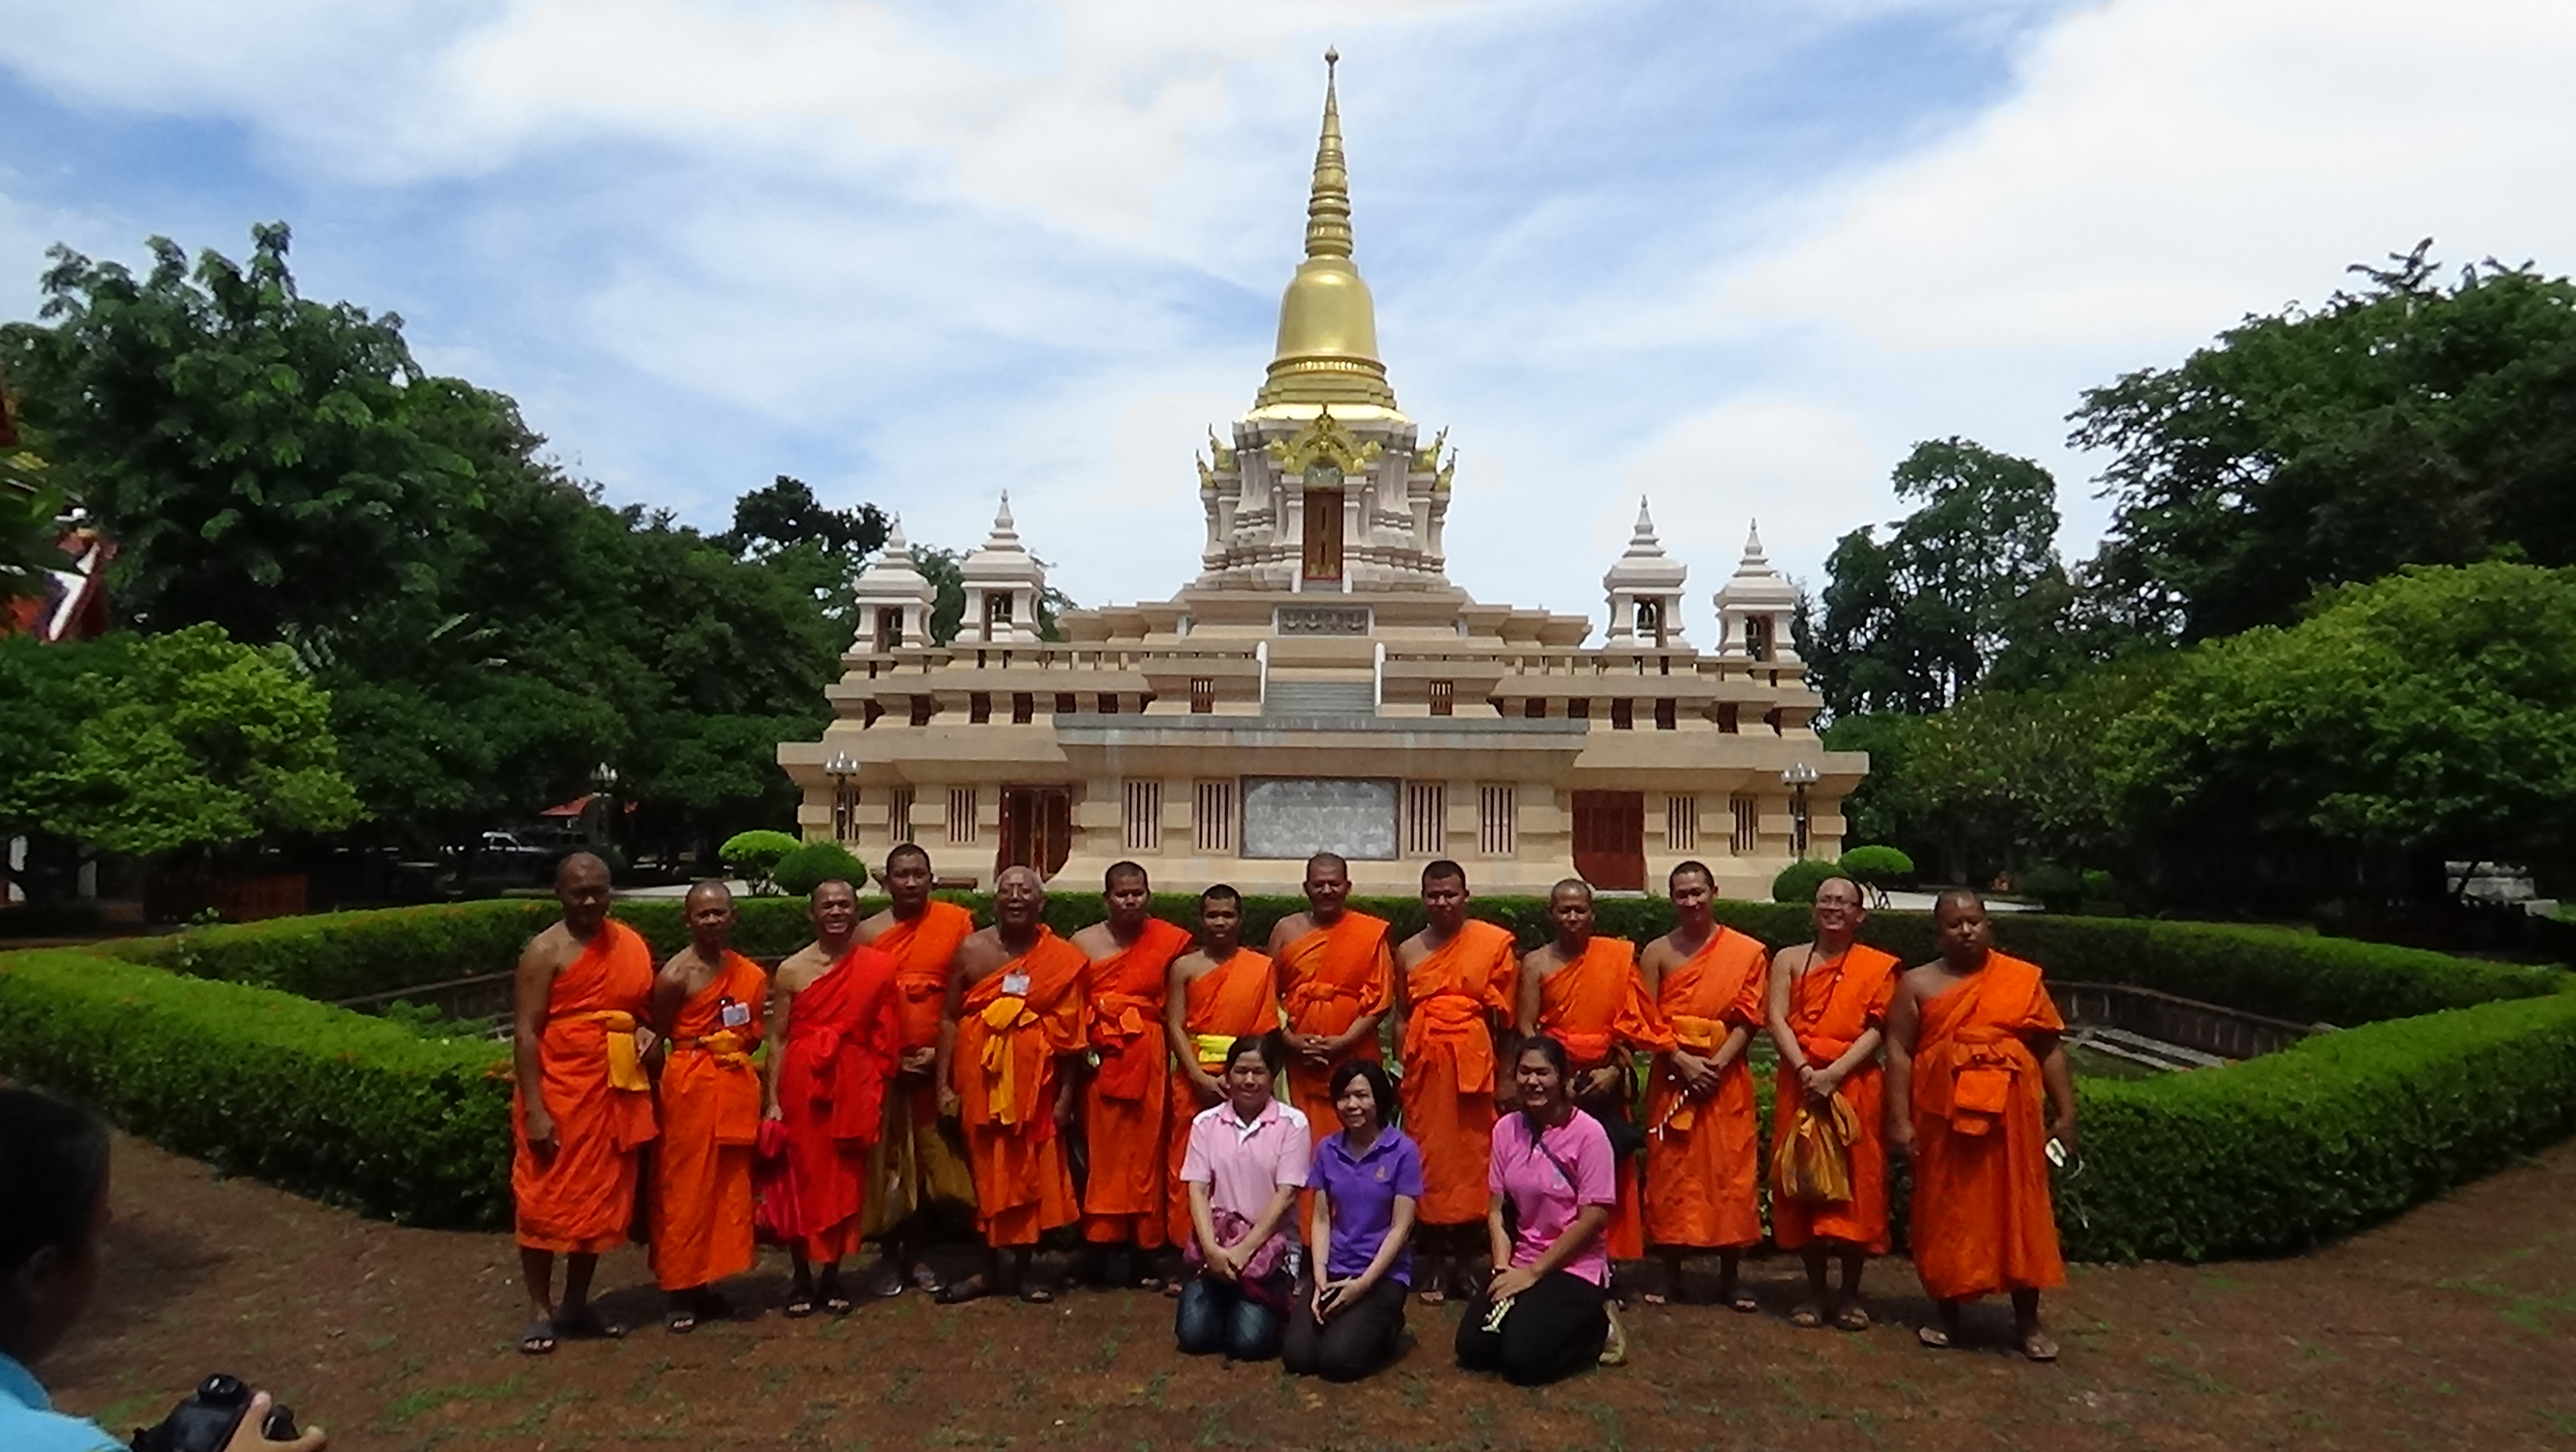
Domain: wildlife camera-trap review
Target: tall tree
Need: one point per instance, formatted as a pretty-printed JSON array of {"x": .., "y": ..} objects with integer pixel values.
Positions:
[
  {"x": 2403, "y": 423},
  {"x": 1960, "y": 585}
]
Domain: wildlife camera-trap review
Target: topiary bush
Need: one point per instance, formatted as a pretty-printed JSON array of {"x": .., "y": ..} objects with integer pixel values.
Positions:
[
  {"x": 1797, "y": 882},
  {"x": 815, "y": 863},
  {"x": 1878, "y": 867},
  {"x": 754, "y": 856}
]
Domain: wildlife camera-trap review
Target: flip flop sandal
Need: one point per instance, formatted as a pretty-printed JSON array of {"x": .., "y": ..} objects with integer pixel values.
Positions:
[
  {"x": 885, "y": 1283},
  {"x": 1852, "y": 1318},
  {"x": 1434, "y": 1296},
  {"x": 2037, "y": 1347},
  {"x": 588, "y": 1326},
  {"x": 1933, "y": 1336},
  {"x": 538, "y": 1339},
  {"x": 798, "y": 1307},
  {"x": 1037, "y": 1296},
  {"x": 927, "y": 1281},
  {"x": 970, "y": 1289},
  {"x": 1807, "y": 1318},
  {"x": 680, "y": 1323},
  {"x": 836, "y": 1304},
  {"x": 1744, "y": 1305}
]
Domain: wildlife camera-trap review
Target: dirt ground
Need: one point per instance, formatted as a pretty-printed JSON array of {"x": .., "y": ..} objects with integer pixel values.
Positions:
[{"x": 2450, "y": 1328}]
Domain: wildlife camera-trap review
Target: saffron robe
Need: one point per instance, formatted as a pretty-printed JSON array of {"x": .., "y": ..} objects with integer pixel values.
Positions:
[
  {"x": 1451, "y": 998},
  {"x": 915, "y": 1164},
  {"x": 1592, "y": 1005},
  {"x": 1329, "y": 979},
  {"x": 1006, "y": 1068},
  {"x": 1830, "y": 1006},
  {"x": 837, "y": 1058},
  {"x": 581, "y": 1201},
  {"x": 1236, "y": 998},
  {"x": 710, "y": 1100},
  {"x": 1125, "y": 1104},
  {"x": 1983, "y": 1220},
  {"x": 1704, "y": 1157}
]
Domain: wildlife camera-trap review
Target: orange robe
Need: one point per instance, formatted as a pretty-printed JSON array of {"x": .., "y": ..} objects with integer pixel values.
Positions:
[
  {"x": 1983, "y": 1220},
  {"x": 1123, "y": 1105},
  {"x": 915, "y": 1165},
  {"x": 1592, "y": 1005},
  {"x": 1830, "y": 1006},
  {"x": 582, "y": 1200},
  {"x": 1006, "y": 1067},
  {"x": 1330, "y": 979},
  {"x": 1451, "y": 998},
  {"x": 1236, "y": 998},
  {"x": 1706, "y": 1156},
  {"x": 710, "y": 1099},
  {"x": 844, "y": 1037}
]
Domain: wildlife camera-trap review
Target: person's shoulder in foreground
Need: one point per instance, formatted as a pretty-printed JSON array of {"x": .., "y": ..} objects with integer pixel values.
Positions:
[{"x": 29, "y": 1423}]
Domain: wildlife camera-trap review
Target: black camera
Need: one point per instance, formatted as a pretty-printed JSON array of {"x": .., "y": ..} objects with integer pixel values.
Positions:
[{"x": 206, "y": 1421}]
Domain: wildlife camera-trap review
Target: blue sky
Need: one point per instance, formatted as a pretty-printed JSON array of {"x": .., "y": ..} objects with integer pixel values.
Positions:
[{"x": 1735, "y": 256}]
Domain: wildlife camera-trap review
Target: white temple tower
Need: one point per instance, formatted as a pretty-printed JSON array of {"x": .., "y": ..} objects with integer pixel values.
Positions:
[{"x": 1645, "y": 588}]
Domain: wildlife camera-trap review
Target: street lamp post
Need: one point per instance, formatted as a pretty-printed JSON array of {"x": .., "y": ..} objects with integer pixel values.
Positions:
[
  {"x": 842, "y": 767},
  {"x": 1797, "y": 779},
  {"x": 603, "y": 781}
]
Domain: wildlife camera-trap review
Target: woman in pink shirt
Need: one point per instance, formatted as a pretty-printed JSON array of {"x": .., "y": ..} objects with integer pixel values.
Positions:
[
  {"x": 1545, "y": 1314},
  {"x": 1246, "y": 1160}
]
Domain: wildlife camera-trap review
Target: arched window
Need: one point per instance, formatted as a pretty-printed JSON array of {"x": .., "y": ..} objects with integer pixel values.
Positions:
[{"x": 1757, "y": 636}]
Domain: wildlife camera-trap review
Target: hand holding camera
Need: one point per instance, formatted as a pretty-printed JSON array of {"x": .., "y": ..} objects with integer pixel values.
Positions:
[{"x": 224, "y": 1415}]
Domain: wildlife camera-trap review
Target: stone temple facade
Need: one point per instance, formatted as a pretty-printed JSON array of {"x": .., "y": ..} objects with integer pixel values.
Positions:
[{"x": 1322, "y": 685}]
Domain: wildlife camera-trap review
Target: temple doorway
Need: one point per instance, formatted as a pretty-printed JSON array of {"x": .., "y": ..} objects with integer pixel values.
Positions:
[
  {"x": 1610, "y": 840},
  {"x": 1323, "y": 559},
  {"x": 1037, "y": 829}
]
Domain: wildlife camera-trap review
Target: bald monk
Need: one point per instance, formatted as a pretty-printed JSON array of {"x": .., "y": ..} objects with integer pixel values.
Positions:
[
  {"x": 707, "y": 1006},
  {"x": 1972, "y": 1049},
  {"x": 1336, "y": 980},
  {"x": 582, "y": 1107},
  {"x": 1828, "y": 1016},
  {"x": 1126, "y": 1099},
  {"x": 1014, "y": 1016},
  {"x": 835, "y": 1039},
  {"x": 1455, "y": 985},
  {"x": 918, "y": 1173},
  {"x": 1219, "y": 992},
  {"x": 1709, "y": 983},
  {"x": 1585, "y": 993}
]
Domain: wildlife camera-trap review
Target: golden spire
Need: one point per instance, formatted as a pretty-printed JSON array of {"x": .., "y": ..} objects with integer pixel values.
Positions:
[{"x": 1327, "y": 320}]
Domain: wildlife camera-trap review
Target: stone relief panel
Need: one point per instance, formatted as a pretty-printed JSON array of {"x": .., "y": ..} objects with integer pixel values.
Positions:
[{"x": 1295, "y": 817}]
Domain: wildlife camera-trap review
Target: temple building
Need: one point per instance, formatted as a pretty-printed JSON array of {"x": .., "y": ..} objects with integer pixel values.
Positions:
[{"x": 1322, "y": 685}]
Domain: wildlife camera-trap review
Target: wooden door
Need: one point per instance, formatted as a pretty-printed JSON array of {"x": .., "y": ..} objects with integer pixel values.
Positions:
[
  {"x": 1610, "y": 839},
  {"x": 1036, "y": 829},
  {"x": 1323, "y": 534}
]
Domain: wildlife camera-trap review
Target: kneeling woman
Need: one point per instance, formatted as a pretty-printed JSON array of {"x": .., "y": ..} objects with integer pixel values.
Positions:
[
  {"x": 1545, "y": 1313},
  {"x": 1367, "y": 1180},
  {"x": 1245, "y": 1163}
]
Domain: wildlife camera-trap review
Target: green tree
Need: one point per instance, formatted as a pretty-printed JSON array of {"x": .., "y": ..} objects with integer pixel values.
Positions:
[
  {"x": 2404, "y": 423},
  {"x": 1967, "y": 585},
  {"x": 148, "y": 744},
  {"x": 2427, "y": 716}
]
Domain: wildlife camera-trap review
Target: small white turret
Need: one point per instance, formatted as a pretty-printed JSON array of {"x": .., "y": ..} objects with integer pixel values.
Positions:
[
  {"x": 1754, "y": 608},
  {"x": 1003, "y": 582},
  {"x": 894, "y": 599},
  {"x": 1645, "y": 589}
]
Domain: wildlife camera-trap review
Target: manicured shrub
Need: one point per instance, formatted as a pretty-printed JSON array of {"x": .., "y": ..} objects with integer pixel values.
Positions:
[
  {"x": 754, "y": 856},
  {"x": 359, "y": 1111},
  {"x": 1798, "y": 881},
  {"x": 1880, "y": 867},
  {"x": 810, "y": 866}
]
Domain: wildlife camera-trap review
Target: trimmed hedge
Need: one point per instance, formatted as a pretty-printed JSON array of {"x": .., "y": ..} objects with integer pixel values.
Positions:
[
  {"x": 345, "y": 1108},
  {"x": 2342, "y": 1131}
]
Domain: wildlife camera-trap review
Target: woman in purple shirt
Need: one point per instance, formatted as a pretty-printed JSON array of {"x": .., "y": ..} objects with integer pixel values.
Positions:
[
  {"x": 1366, "y": 1181},
  {"x": 1545, "y": 1313}
]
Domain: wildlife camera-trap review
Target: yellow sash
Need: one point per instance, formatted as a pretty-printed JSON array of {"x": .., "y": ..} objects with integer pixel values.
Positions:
[
  {"x": 625, "y": 1064},
  {"x": 1211, "y": 1050},
  {"x": 1003, "y": 1017}
]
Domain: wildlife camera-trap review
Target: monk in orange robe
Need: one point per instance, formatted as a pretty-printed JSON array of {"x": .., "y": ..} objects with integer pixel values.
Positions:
[
  {"x": 835, "y": 1037},
  {"x": 1126, "y": 1100},
  {"x": 1455, "y": 986},
  {"x": 1220, "y": 992},
  {"x": 1336, "y": 980},
  {"x": 1585, "y": 993},
  {"x": 1973, "y": 1047},
  {"x": 1709, "y": 984},
  {"x": 1827, "y": 1017},
  {"x": 918, "y": 1173},
  {"x": 582, "y": 1107},
  {"x": 1015, "y": 1013},
  {"x": 707, "y": 1005}
]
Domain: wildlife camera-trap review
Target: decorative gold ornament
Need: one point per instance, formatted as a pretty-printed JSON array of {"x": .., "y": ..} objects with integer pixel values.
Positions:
[
  {"x": 1323, "y": 441},
  {"x": 1428, "y": 457}
]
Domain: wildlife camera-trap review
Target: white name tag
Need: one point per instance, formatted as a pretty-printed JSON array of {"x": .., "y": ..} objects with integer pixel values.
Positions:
[
  {"x": 734, "y": 1015},
  {"x": 1016, "y": 985}
]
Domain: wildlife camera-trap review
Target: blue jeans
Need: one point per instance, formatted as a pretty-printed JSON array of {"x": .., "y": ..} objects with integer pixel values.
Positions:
[{"x": 1216, "y": 1315}]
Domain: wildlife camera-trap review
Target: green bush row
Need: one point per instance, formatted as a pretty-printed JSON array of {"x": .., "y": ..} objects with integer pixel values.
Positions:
[
  {"x": 2292, "y": 1149},
  {"x": 2280, "y": 973},
  {"x": 349, "y": 1109}
]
